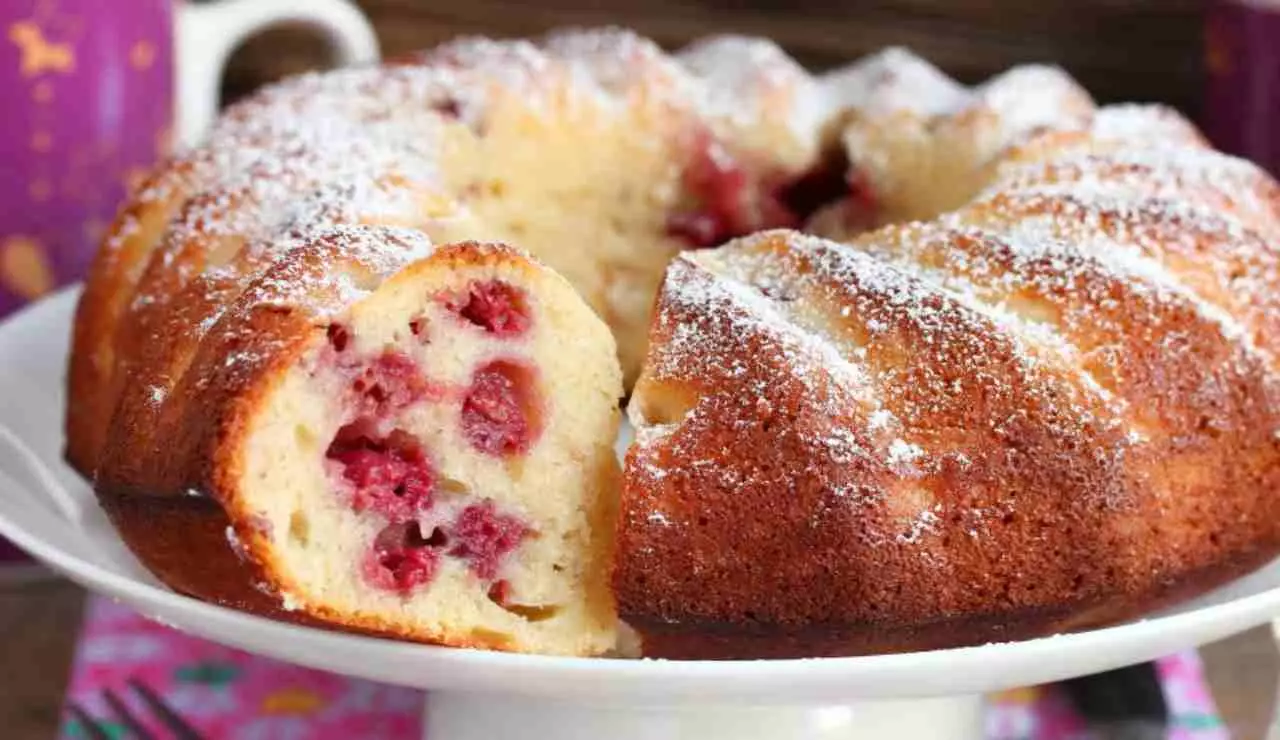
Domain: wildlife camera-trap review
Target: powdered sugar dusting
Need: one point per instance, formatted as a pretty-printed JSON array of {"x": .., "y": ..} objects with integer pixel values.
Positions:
[
  {"x": 903, "y": 453},
  {"x": 1035, "y": 96},
  {"x": 749, "y": 80},
  {"x": 1146, "y": 125},
  {"x": 1187, "y": 174},
  {"x": 891, "y": 81},
  {"x": 368, "y": 255}
]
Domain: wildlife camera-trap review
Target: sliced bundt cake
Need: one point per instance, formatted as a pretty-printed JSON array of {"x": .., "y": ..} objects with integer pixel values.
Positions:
[{"x": 389, "y": 437}]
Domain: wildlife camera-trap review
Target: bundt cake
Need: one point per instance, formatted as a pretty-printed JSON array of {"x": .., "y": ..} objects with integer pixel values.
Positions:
[{"x": 1019, "y": 379}]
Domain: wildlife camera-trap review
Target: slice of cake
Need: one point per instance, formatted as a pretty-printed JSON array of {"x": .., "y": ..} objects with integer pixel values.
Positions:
[{"x": 394, "y": 438}]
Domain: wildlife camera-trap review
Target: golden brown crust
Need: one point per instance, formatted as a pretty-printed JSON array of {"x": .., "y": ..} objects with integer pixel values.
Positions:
[
  {"x": 932, "y": 472},
  {"x": 167, "y": 534},
  {"x": 108, "y": 292},
  {"x": 681, "y": 641}
]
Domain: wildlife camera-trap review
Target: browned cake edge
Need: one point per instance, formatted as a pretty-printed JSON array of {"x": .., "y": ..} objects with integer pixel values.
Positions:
[{"x": 729, "y": 641}]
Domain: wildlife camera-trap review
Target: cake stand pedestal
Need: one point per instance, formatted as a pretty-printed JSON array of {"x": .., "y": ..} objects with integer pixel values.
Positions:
[{"x": 479, "y": 716}]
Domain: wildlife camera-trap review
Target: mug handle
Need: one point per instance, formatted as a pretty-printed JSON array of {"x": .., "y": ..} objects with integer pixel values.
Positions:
[{"x": 205, "y": 36}]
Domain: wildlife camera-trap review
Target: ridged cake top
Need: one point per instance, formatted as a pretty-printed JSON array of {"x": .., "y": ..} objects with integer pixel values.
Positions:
[
  {"x": 1105, "y": 302},
  {"x": 362, "y": 145},
  {"x": 319, "y": 149},
  {"x": 1107, "y": 266},
  {"x": 825, "y": 325}
]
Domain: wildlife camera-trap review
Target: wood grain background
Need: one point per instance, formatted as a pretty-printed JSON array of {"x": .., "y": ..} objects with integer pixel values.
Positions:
[{"x": 1120, "y": 49}]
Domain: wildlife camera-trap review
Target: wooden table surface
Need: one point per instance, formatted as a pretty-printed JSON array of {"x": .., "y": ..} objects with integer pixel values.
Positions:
[{"x": 39, "y": 621}]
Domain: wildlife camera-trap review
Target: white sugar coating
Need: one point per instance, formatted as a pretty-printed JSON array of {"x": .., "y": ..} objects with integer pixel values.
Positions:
[
  {"x": 902, "y": 452},
  {"x": 733, "y": 67},
  {"x": 368, "y": 255},
  {"x": 746, "y": 311},
  {"x": 745, "y": 80},
  {"x": 756, "y": 292},
  {"x": 925, "y": 523},
  {"x": 1151, "y": 125},
  {"x": 322, "y": 274},
  {"x": 1185, "y": 174},
  {"x": 891, "y": 81},
  {"x": 1036, "y": 96},
  {"x": 881, "y": 419},
  {"x": 1123, "y": 260}
]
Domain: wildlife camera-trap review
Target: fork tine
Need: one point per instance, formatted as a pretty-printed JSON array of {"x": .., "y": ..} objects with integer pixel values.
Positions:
[
  {"x": 180, "y": 729},
  {"x": 121, "y": 711},
  {"x": 87, "y": 722}
]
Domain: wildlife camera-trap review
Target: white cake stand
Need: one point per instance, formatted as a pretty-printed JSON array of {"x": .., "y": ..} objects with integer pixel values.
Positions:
[{"x": 48, "y": 511}]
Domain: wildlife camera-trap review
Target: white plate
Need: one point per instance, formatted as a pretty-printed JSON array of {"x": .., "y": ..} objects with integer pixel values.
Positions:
[{"x": 51, "y": 514}]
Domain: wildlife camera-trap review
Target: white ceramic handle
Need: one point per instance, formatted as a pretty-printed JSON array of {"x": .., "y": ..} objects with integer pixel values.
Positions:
[
  {"x": 25, "y": 466},
  {"x": 206, "y": 35}
]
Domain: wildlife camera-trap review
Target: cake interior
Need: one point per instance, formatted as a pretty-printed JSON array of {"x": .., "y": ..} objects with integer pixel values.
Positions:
[
  {"x": 657, "y": 181},
  {"x": 417, "y": 467}
]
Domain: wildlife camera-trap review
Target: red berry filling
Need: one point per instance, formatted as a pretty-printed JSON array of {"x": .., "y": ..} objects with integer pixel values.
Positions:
[
  {"x": 500, "y": 593},
  {"x": 499, "y": 413},
  {"x": 485, "y": 537},
  {"x": 391, "y": 477},
  {"x": 401, "y": 559},
  {"x": 391, "y": 382},
  {"x": 496, "y": 306},
  {"x": 718, "y": 184},
  {"x": 731, "y": 202}
]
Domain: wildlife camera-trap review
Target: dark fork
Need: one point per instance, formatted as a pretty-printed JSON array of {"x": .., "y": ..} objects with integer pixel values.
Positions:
[{"x": 96, "y": 729}]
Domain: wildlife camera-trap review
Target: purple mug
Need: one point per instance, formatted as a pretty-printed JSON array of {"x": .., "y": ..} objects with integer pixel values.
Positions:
[
  {"x": 1242, "y": 57},
  {"x": 94, "y": 92}
]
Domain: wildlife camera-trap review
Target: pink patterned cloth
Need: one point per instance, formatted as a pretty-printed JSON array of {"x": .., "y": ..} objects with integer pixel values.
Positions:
[
  {"x": 227, "y": 693},
  {"x": 1044, "y": 712},
  {"x": 223, "y": 692}
]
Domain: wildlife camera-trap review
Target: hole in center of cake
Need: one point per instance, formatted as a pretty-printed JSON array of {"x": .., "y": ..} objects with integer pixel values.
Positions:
[{"x": 728, "y": 199}]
